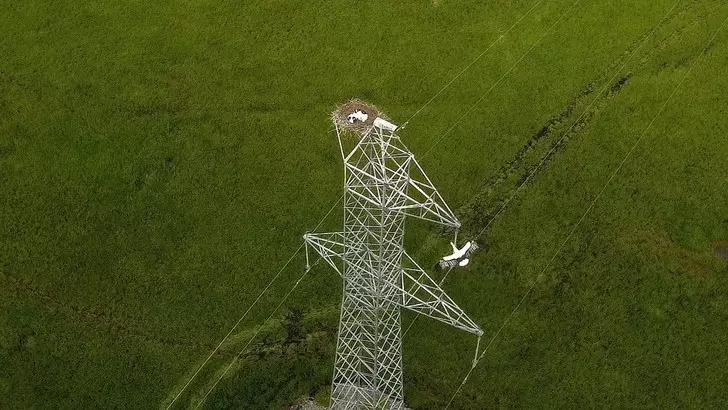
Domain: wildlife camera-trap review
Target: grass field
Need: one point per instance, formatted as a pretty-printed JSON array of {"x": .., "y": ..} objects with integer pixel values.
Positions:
[{"x": 159, "y": 162}]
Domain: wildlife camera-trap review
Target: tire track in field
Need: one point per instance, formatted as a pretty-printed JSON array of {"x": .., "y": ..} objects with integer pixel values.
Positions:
[{"x": 569, "y": 124}]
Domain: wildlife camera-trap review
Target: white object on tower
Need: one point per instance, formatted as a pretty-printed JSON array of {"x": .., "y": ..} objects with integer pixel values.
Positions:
[{"x": 384, "y": 124}]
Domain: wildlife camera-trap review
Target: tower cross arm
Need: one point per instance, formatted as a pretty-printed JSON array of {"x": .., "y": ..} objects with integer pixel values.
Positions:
[
  {"x": 330, "y": 246},
  {"x": 423, "y": 295}
]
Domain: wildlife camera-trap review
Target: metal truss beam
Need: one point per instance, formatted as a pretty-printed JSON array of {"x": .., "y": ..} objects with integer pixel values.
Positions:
[{"x": 384, "y": 184}]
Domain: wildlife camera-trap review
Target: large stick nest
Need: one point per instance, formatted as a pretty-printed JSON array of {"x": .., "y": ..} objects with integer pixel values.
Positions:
[{"x": 340, "y": 115}]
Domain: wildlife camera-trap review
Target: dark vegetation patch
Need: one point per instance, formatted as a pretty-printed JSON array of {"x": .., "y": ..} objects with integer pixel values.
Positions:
[
  {"x": 664, "y": 252},
  {"x": 169, "y": 163},
  {"x": 535, "y": 155},
  {"x": 696, "y": 18},
  {"x": 6, "y": 149},
  {"x": 124, "y": 327},
  {"x": 145, "y": 110},
  {"x": 617, "y": 86},
  {"x": 153, "y": 175},
  {"x": 287, "y": 361}
]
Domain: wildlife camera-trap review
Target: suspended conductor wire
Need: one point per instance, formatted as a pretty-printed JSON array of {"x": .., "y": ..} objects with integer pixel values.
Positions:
[
  {"x": 586, "y": 110},
  {"x": 619, "y": 167},
  {"x": 564, "y": 135},
  {"x": 409, "y": 119},
  {"x": 502, "y": 77},
  {"x": 545, "y": 33},
  {"x": 248, "y": 310},
  {"x": 474, "y": 105},
  {"x": 471, "y": 63},
  {"x": 339, "y": 200},
  {"x": 418, "y": 313},
  {"x": 252, "y": 338}
]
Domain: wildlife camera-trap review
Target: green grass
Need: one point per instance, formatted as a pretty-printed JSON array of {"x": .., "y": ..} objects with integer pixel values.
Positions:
[{"x": 159, "y": 162}]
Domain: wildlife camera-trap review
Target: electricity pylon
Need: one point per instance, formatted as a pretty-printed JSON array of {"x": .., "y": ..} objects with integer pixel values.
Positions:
[{"x": 383, "y": 185}]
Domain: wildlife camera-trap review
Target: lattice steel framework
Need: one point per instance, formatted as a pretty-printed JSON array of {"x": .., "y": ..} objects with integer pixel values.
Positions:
[{"x": 383, "y": 184}]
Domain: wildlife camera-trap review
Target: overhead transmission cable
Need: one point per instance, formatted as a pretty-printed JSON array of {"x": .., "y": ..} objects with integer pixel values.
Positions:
[
  {"x": 554, "y": 147},
  {"x": 545, "y": 33},
  {"x": 337, "y": 202},
  {"x": 249, "y": 309},
  {"x": 252, "y": 338},
  {"x": 565, "y": 134},
  {"x": 472, "y": 62},
  {"x": 591, "y": 205}
]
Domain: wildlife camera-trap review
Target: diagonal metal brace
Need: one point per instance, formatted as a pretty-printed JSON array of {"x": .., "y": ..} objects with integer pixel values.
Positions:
[{"x": 423, "y": 295}]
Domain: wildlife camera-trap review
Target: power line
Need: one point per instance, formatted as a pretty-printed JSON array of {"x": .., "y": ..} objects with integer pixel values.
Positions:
[
  {"x": 553, "y": 148},
  {"x": 466, "y": 113},
  {"x": 330, "y": 210},
  {"x": 624, "y": 160},
  {"x": 234, "y": 327},
  {"x": 503, "y": 76},
  {"x": 472, "y": 62},
  {"x": 565, "y": 134},
  {"x": 418, "y": 313},
  {"x": 247, "y": 311},
  {"x": 251, "y": 339}
]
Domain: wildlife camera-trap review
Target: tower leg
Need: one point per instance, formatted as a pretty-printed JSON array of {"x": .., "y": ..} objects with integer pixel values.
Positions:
[{"x": 368, "y": 366}]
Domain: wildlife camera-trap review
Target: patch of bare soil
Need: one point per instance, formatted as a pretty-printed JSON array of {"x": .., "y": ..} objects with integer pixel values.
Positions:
[
  {"x": 666, "y": 255},
  {"x": 720, "y": 249}
]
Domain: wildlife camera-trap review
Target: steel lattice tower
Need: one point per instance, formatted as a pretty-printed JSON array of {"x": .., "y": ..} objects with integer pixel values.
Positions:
[{"x": 383, "y": 185}]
